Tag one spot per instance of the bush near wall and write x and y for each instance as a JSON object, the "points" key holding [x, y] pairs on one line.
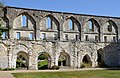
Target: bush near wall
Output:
{"points": [[85, 65]]}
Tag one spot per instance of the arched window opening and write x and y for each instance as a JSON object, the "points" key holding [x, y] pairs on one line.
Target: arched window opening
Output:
{"points": [[71, 25], [96, 39], [91, 25], [49, 23], [24, 21], [55, 36]]}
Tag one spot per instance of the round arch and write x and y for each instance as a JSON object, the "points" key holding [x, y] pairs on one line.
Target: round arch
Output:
{"points": [[64, 59], [87, 60], [22, 60], [44, 60]]}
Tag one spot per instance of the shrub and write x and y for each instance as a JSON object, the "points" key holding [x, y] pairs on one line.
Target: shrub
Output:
{"points": [[7, 69], [55, 67], [43, 64], [85, 65], [0, 68]]}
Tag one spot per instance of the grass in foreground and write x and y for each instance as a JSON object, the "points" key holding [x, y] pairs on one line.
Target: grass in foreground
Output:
{"points": [[72, 74]]}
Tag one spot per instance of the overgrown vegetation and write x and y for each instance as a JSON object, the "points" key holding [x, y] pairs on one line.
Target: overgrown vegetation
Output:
{"points": [[85, 65], [20, 63], [72, 74], [54, 67], [43, 64], [7, 69]]}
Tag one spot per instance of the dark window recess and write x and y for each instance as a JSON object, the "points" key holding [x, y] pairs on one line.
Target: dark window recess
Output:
{"points": [[86, 38], [96, 38], [49, 23], [110, 28], [105, 38], [43, 36], [71, 25], [114, 39], [77, 37], [91, 25], [66, 36], [55, 37]]}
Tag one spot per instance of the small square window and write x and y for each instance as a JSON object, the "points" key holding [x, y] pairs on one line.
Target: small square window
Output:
{"points": [[66, 36], [55, 37], [77, 37], [31, 36], [86, 38], [18, 35], [43, 36], [114, 39], [105, 38], [96, 38]]}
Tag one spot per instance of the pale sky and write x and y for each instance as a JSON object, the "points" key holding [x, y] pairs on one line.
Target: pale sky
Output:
{"points": [[92, 7]]}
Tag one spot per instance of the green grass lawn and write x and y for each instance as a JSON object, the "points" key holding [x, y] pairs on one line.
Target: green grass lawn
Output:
{"points": [[72, 74]]}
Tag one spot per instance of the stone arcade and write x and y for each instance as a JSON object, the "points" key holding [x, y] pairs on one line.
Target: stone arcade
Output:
{"points": [[70, 36]]}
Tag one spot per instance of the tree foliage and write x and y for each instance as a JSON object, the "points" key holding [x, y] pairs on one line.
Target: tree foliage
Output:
{"points": [[1, 4]]}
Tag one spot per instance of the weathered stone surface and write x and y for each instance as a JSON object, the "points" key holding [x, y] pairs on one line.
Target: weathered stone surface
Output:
{"points": [[74, 42]]}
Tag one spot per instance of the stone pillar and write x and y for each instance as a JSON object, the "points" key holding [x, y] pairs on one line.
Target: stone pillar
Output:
{"points": [[119, 33], [9, 60], [37, 31], [61, 29], [56, 60], [101, 34], [78, 60], [32, 61], [82, 29], [11, 30]]}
